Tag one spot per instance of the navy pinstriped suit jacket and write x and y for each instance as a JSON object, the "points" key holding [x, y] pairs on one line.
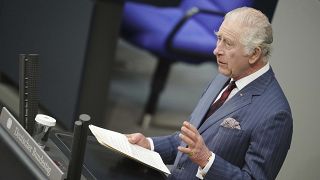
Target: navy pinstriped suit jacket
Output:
{"points": [[257, 151]]}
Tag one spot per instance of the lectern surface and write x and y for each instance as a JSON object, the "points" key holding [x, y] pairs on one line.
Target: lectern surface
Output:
{"points": [[103, 163]]}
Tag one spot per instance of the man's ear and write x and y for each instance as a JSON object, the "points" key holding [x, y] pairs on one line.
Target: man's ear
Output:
{"points": [[255, 56]]}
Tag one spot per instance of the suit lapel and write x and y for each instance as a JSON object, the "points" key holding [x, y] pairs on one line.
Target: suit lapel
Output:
{"points": [[211, 93], [239, 100]]}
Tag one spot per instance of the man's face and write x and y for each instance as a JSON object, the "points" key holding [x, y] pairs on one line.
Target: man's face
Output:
{"points": [[231, 57]]}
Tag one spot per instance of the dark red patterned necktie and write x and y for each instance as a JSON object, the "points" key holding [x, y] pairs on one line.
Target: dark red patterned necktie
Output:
{"points": [[214, 106]]}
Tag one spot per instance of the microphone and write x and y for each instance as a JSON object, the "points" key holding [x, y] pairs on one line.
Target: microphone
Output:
{"points": [[28, 90], [78, 148]]}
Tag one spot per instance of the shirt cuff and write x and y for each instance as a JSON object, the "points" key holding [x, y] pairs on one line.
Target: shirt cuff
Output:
{"points": [[151, 144], [202, 172]]}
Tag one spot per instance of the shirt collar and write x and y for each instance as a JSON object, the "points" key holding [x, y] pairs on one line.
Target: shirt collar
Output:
{"points": [[241, 83]]}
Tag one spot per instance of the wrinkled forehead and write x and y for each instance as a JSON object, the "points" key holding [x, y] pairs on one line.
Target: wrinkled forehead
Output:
{"points": [[231, 29]]}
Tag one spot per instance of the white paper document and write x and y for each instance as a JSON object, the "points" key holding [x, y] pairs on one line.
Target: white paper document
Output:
{"points": [[119, 142]]}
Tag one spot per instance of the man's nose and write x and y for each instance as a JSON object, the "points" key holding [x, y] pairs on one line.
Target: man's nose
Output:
{"points": [[217, 50]]}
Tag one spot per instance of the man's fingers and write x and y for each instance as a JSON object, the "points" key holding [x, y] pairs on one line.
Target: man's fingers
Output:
{"points": [[188, 133], [184, 150], [190, 127], [188, 130], [139, 139], [133, 138], [187, 151], [187, 140]]}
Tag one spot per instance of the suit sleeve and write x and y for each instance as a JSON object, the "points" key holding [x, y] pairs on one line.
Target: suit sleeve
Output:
{"points": [[167, 146], [269, 145]]}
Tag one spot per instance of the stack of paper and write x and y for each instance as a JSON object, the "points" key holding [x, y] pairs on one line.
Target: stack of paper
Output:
{"points": [[119, 142]]}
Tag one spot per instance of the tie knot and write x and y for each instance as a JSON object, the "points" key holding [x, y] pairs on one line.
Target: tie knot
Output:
{"points": [[232, 85]]}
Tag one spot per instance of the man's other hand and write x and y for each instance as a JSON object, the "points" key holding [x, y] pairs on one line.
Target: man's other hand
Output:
{"points": [[196, 149]]}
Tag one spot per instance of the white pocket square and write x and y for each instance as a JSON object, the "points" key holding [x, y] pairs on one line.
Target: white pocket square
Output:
{"points": [[230, 123]]}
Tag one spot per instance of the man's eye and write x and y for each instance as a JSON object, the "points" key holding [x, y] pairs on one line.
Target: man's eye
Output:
{"points": [[228, 43]]}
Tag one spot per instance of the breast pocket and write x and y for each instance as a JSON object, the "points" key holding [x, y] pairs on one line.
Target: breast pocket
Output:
{"points": [[231, 144], [223, 131]]}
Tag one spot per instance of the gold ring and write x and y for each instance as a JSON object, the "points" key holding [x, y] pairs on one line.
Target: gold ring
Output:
{"points": [[190, 154]]}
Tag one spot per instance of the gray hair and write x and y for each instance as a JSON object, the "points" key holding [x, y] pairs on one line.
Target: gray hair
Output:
{"points": [[258, 32]]}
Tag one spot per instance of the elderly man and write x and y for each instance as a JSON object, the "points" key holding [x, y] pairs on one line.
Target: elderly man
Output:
{"points": [[242, 125]]}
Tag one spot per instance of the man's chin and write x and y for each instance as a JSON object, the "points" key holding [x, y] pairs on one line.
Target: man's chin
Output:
{"points": [[224, 71]]}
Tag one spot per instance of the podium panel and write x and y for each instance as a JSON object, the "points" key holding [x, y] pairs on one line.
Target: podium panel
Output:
{"points": [[102, 163], [14, 163]]}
